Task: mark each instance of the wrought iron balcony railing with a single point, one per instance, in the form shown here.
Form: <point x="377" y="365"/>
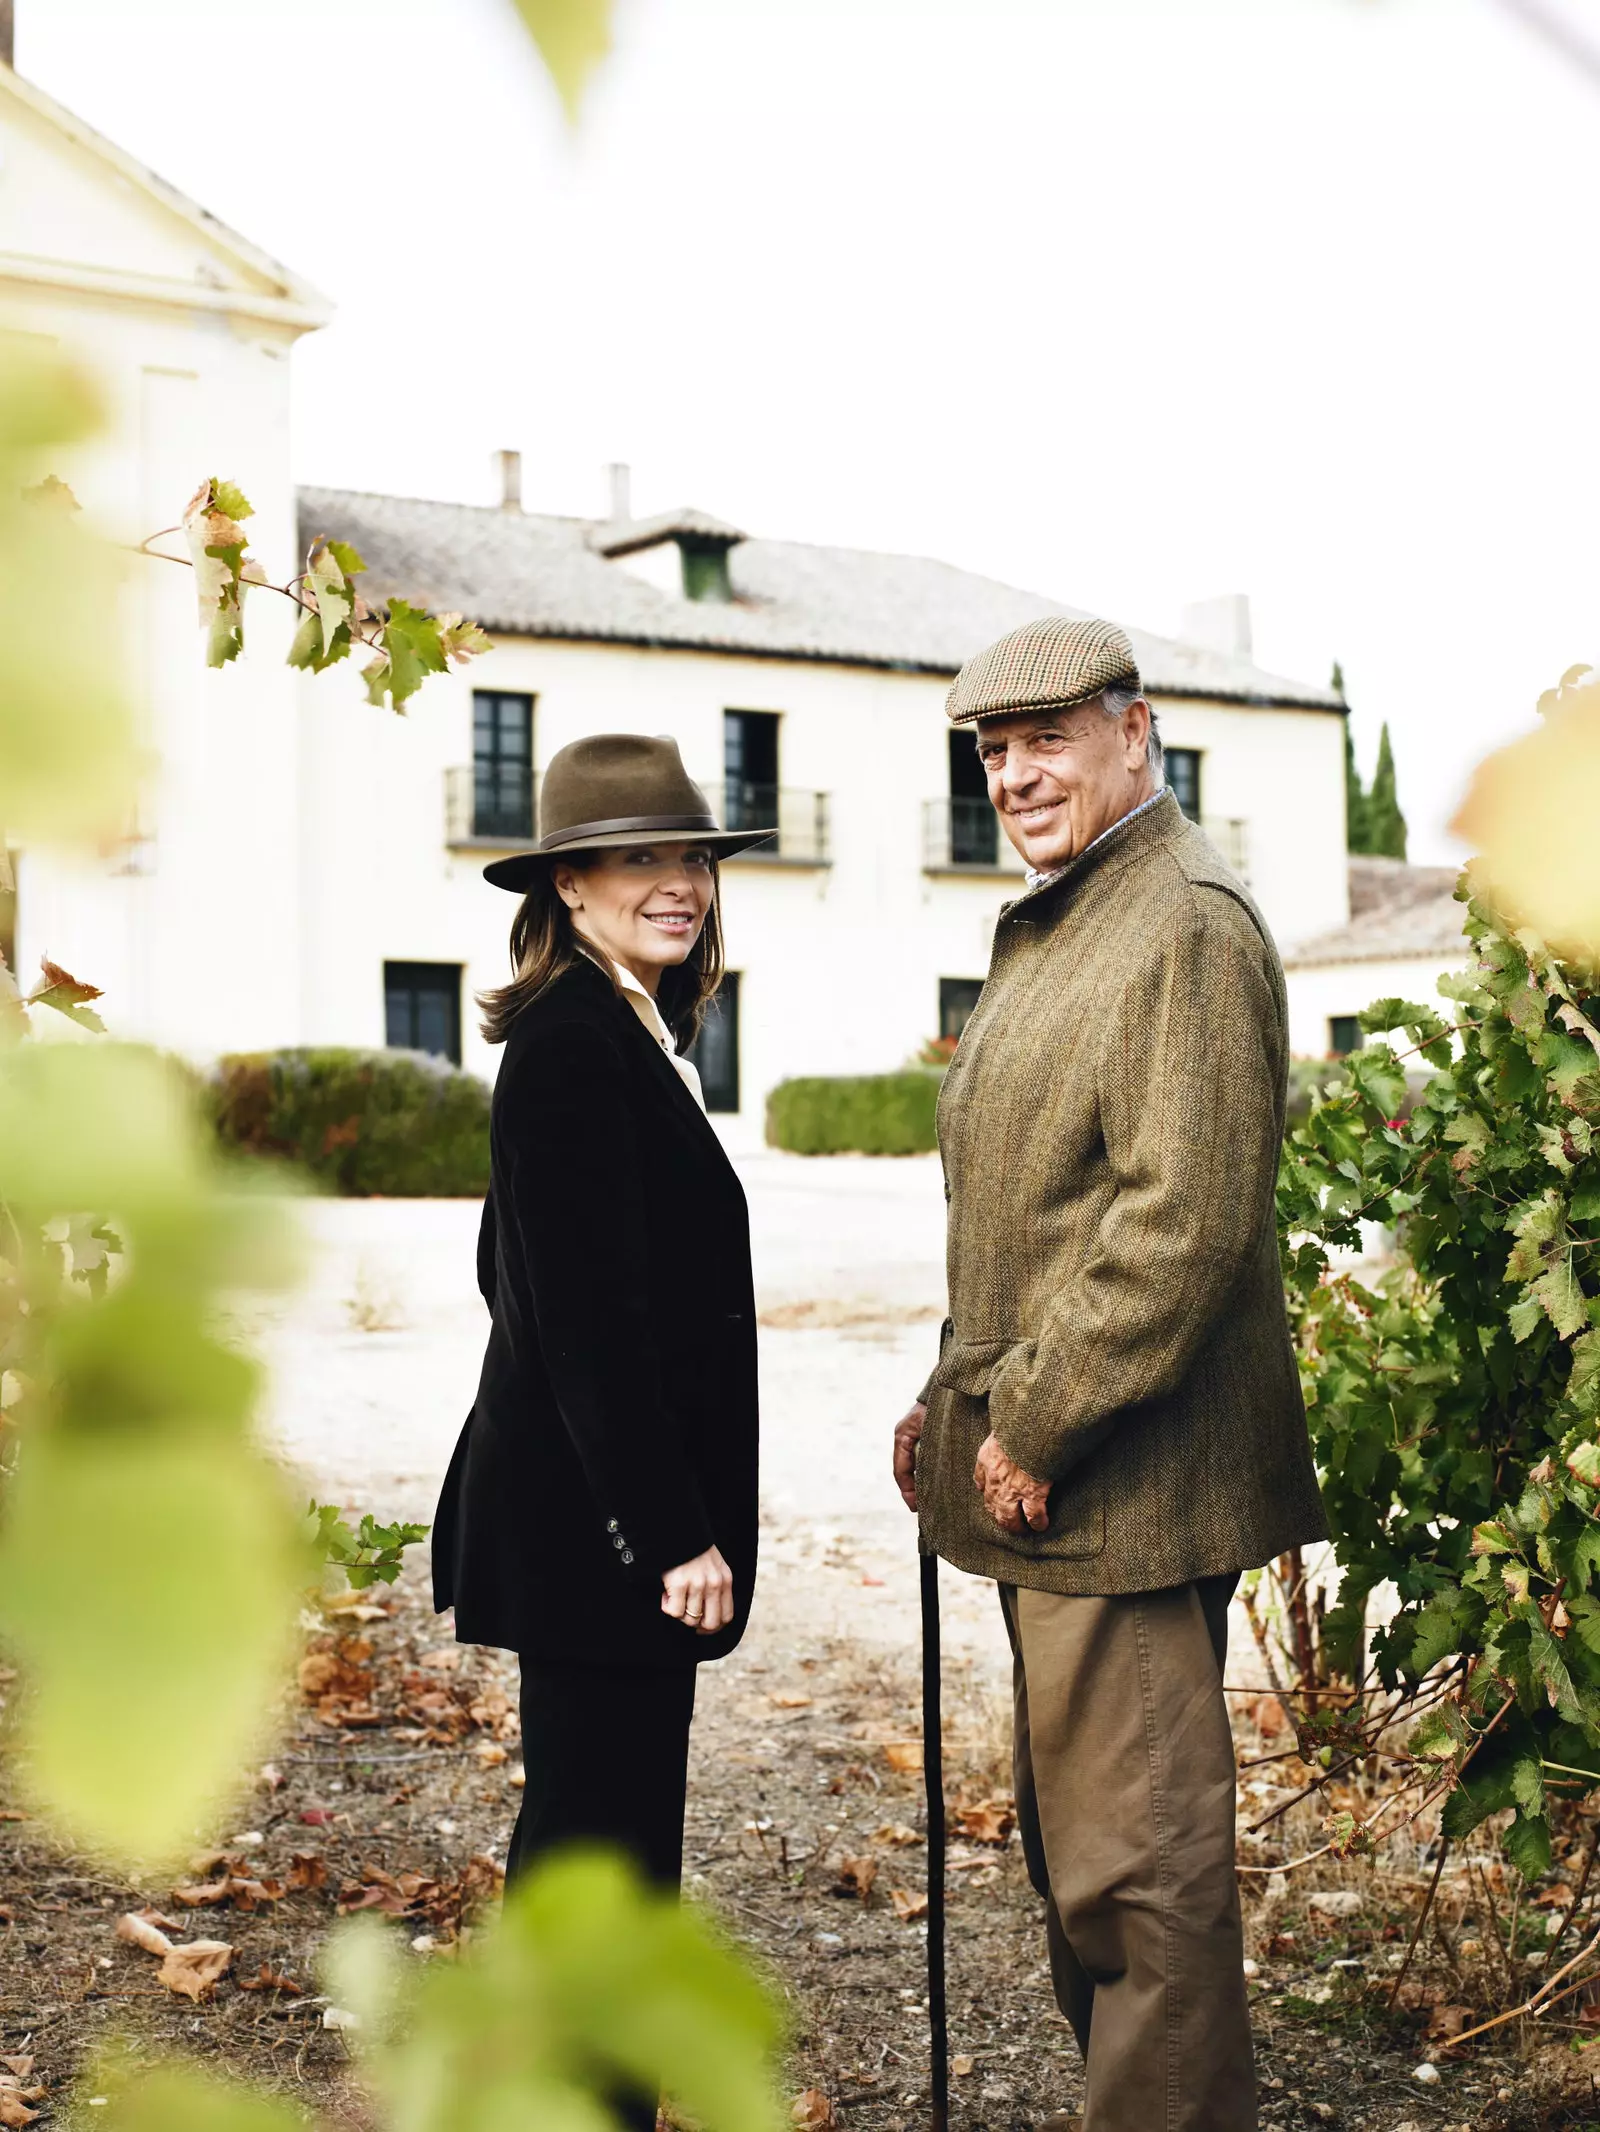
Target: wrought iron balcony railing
<point x="489" y="803"/>
<point x="800" y="819"/>
<point x="1231" y="841"/>
<point x="964" y="836"/>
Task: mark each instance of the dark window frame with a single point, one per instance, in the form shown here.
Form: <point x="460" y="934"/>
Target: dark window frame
<point x="1341" y="1026"/>
<point x="413" y="983"/>
<point x="749" y="798"/>
<point x="957" y="998"/>
<point x="1189" y="759"/>
<point x="502" y="775"/>
<point x="717" y="1048"/>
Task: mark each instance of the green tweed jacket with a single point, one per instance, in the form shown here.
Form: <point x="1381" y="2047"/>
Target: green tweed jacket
<point x="1110" y="1128"/>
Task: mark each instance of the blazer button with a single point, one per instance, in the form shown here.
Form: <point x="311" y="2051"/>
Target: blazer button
<point x="611" y="1525"/>
<point x="627" y="1554"/>
<point x="619" y="1542"/>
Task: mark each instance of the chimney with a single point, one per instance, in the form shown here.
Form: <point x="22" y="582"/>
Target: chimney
<point x="1220" y="624"/>
<point x="8" y="32"/>
<point x="620" y="476"/>
<point x="509" y="467"/>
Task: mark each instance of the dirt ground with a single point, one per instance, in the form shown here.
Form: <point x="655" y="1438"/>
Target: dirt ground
<point x="395" y="1790"/>
<point x="394" y="1787"/>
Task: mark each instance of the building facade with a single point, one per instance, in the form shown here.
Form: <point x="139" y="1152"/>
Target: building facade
<point x="307" y="870"/>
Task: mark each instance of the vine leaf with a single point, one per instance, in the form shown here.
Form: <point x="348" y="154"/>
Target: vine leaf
<point x="324" y="635"/>
<point x="573" y="36"/>
<point x="68" y="995"/>
<point x="1562" y="1297"/>
<point x="217" y="549"/>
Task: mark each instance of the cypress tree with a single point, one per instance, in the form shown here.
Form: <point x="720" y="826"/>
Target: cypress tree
<point x="1385" y="824"/>
<point x="1355" y="798"/>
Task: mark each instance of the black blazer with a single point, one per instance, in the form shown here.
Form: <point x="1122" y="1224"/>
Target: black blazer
<point x="614" y="1431"/>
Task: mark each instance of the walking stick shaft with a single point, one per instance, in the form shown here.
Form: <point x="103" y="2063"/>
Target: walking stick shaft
<point x="933" y="1784"/>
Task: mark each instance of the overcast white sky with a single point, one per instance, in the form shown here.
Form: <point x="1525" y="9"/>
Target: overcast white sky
<point x="1129" y="301"/>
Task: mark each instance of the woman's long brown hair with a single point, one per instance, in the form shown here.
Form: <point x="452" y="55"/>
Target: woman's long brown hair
<point x="544" y="945"/>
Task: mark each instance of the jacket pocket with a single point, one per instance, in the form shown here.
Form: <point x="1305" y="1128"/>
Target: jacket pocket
<point x="971" y="1366"/>
<point x="1077" y="1527"/>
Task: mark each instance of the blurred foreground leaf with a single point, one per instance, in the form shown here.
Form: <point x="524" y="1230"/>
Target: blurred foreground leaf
<point x="591" y="1984"/>
<point x="174" y="2098"/>
<point x="67" y="755"/>
<point x="573" y="37"/>
<point x="151" y="1558"/>
<point x="1532" y="811"/>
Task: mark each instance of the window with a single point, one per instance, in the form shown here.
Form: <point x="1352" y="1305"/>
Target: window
<point x="715" y="1051"/>
<point x="502" y="764"/>
<point x="957" y="998"/>
<point x="422" y="1008"/>
<point x="750" y="769"/>
<point x="974" y="825"/>
<point x="1344" y="1034"/>
<point x="705" y="571"/>
<point x="1183" y="775"/>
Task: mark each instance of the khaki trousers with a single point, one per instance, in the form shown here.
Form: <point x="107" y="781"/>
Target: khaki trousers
<point x="1125" y="1804"/>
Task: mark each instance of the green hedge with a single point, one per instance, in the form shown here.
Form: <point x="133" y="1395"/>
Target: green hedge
<point x="857" y="1114"/>
<point x="363" y="1123"/>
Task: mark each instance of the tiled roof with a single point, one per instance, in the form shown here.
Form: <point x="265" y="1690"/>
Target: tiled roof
<point x="1397" y="913"/>
<point x="523" y="574"/>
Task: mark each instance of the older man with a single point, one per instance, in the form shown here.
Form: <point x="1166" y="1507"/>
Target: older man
<point x="1114" y="1429"/>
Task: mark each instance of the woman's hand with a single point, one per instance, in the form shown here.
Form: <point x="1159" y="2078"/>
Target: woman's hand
<point x="700" y="1593"/>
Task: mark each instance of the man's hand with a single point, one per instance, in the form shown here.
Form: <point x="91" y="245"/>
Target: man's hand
<point x="907" y="1434"/>
<point x="1014" y="1499"/>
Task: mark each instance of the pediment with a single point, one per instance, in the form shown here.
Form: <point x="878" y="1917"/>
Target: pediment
<point x="78" y="211"/>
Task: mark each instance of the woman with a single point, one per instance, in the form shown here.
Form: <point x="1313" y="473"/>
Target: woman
<point x="599" y="1515"/>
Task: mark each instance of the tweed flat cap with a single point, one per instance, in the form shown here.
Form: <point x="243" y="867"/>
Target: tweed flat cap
<point x="1050" y="664"/>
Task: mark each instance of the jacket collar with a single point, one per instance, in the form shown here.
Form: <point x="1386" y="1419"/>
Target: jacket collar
<point x="1143" y="830"/>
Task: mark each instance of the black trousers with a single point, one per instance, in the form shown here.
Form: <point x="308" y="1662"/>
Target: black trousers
<point x="606" y="1755"/>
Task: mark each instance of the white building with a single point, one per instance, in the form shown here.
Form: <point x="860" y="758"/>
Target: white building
<point x="307" y="870"/>
<point x="1404" y="931"/>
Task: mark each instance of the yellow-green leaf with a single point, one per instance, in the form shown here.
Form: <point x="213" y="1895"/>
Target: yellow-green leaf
<point x="573" y="36"/>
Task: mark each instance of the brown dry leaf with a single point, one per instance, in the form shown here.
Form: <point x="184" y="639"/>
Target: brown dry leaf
<point x="308" y="1869"/>
<point x="14" y="2111"/>
<point x="204" y="1862"/>
<point x="1270" y="1720"/>
<point x="904" y="1755"/>
<point x="20" y="2067"/>
<point x="517" y="1779"/>
<point x="490" y="1753"/>
<point x="10" y="1813"/>
<point x="270" y="1980"/>
<point x="897" y="1834"/>
<point x="987" y="1820"/>
<point x="198" y="1894"/>
<point x="192" y="1970"/>
<point x="447" y="1659"/>
<point x="790" y="1702"/>
<point x="141" y="1932"/>
<point x="908" y="1905"/>
<point x="1448" y="2021"/>
<point x="318" y="1671"/>
<point x="811" y="2111"/>
<point x="961" y="2065"/>
<point x="856" y="1876"/>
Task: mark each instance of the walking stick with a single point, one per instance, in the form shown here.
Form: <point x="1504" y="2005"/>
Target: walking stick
<point x="933" y="1785"/>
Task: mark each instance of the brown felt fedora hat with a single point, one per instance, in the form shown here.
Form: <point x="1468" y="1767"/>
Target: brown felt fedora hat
<point x="615" y="789"/>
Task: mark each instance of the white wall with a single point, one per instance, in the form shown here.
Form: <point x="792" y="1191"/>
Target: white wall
<point x="1319" y="993"/>
<point x="193" y="933"/>
<point x="839" y="965"/>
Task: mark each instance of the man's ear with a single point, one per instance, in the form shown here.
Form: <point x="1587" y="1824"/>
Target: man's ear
<point x="564" y="880"/>
<point x="1136" y="733"/>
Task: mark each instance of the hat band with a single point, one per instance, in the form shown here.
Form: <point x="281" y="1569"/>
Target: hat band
<point x="648" y="824"/>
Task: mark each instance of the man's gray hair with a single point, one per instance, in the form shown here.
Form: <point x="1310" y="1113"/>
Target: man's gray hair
<point x="1117" y="701"/>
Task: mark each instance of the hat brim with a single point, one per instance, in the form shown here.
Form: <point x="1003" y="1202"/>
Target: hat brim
<point x="1039" y="705"/>
<point x="525" y="867"/>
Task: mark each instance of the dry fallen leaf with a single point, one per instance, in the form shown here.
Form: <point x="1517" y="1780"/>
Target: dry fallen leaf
<point x="908" y="1905"/>
<point x="20" y="2067"/>
<point x="1268" y="1712"/>
<point x="856" y="1876"/>
<point x="13" y="2110"/>
<point x="961" y="2065"/>
<point x="790" y="1702"/>
<point x="141" y="1932"/>
<point x="811" y="2111"/>
<point x="490" y="1753"/>
<point x="903" y="1755"/>
<point x="193" y="1969"/>
<point x="308" y="1869"/>
<point x="270" y="1980"/>
<point x="897" y="1834"/>
<point x="986" y="1821"/>
<point x="445" y="1660"/>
